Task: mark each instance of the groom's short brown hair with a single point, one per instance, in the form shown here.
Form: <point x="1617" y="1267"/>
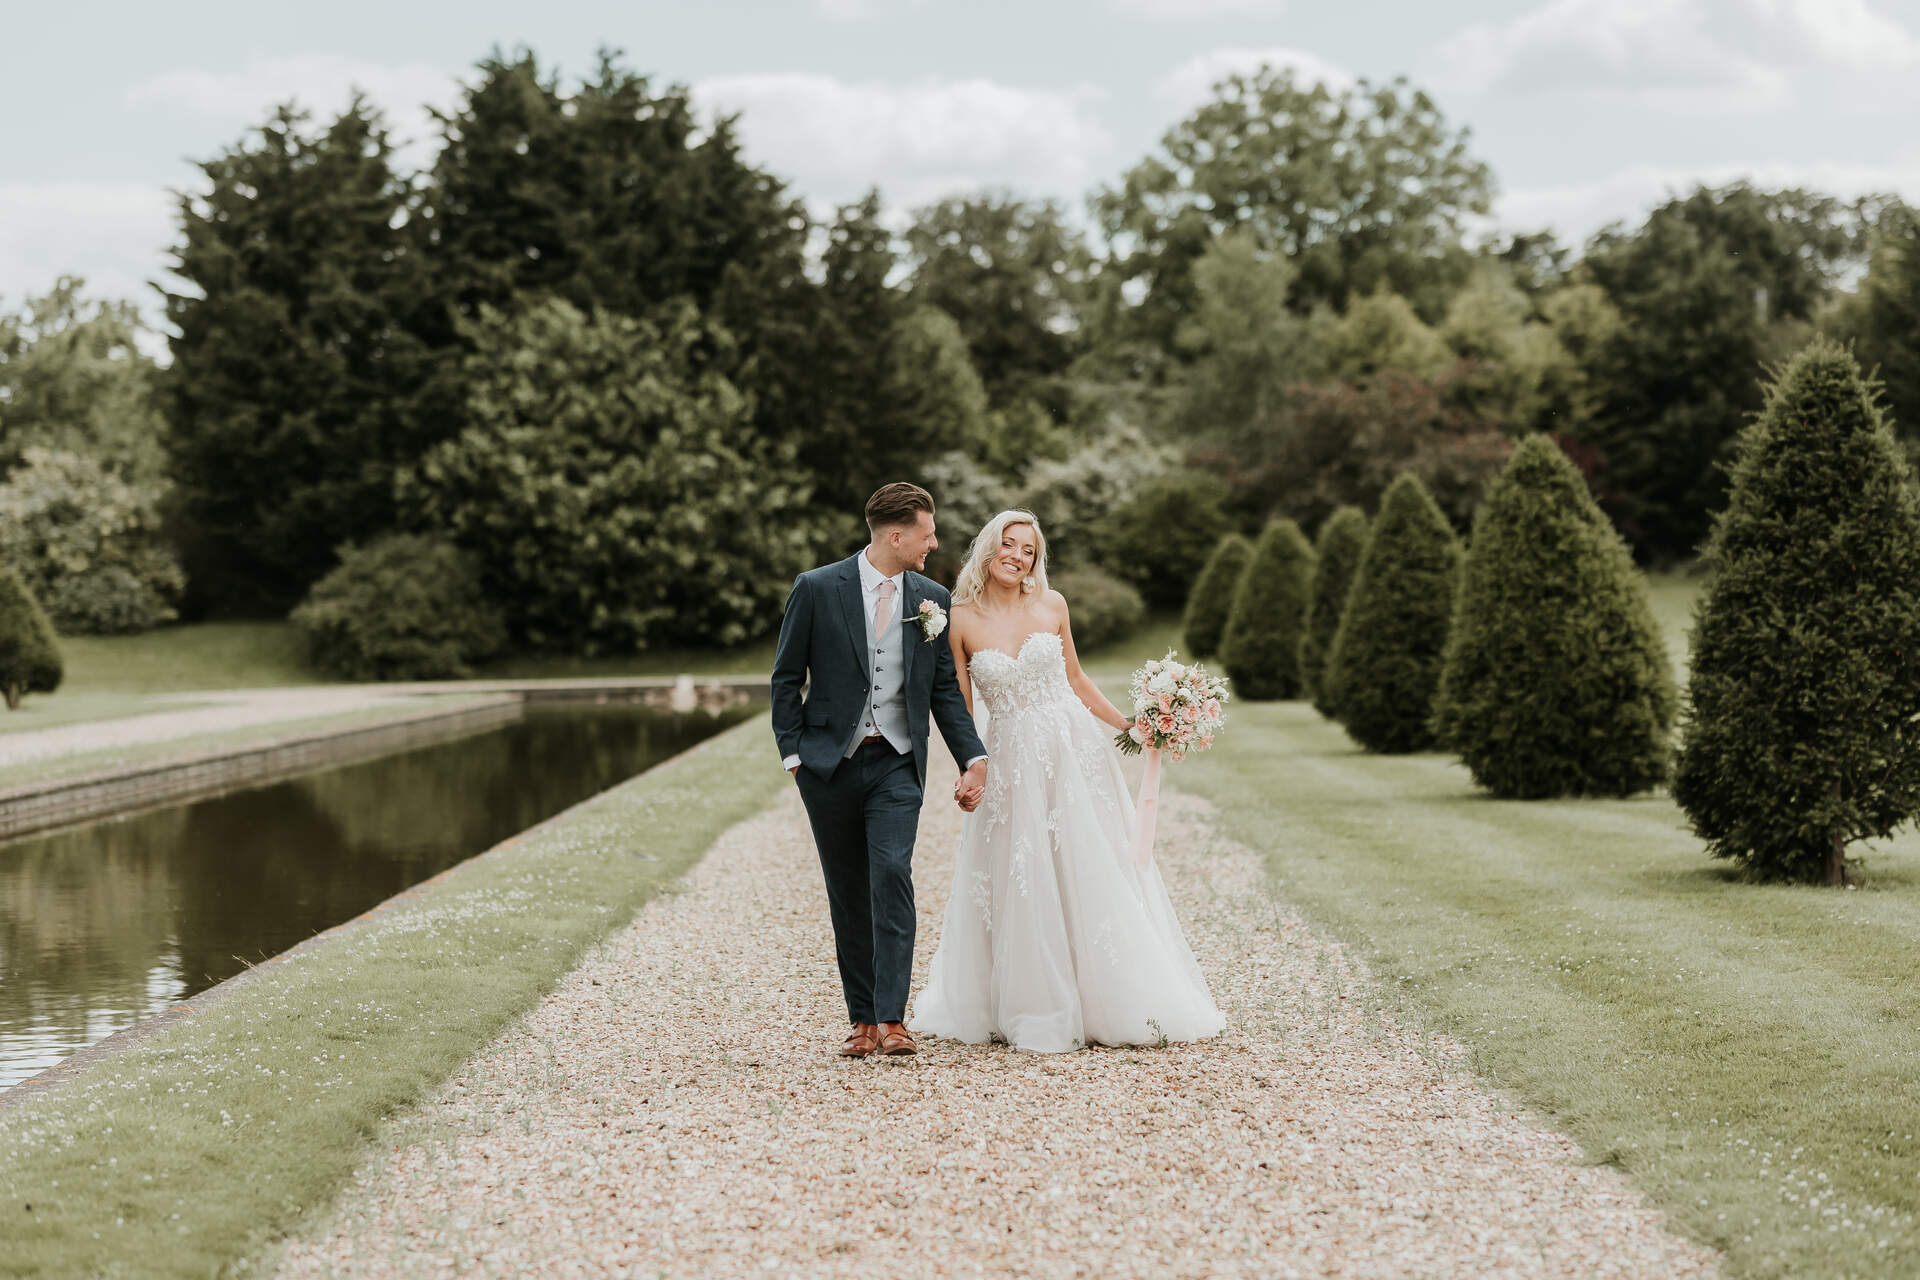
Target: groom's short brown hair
<point x="897" y="503"/>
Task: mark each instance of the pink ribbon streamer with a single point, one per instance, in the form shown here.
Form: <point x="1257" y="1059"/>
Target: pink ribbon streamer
<point x="1147" y="811"/>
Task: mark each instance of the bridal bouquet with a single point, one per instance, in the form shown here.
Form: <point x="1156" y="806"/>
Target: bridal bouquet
<point x="1176" y="709"/>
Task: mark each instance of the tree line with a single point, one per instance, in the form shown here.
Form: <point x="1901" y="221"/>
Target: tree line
<point x="596" y="362"/>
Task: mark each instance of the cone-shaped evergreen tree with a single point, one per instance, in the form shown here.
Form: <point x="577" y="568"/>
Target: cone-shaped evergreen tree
<point x="29" y="652"/>
<point x="1555" y="681"/>
<point x="1261" y="647"/>
<point x="1211" y="599"/>
<point x="1337" y="552"/>
<point x="1385" y="663"/>
<point x="1800" y="734"/>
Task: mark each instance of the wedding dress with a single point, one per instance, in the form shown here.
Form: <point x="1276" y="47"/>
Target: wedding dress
<point x="1053" y="938"/>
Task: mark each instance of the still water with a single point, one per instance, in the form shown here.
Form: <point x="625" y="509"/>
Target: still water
<point x="103" y="925"/>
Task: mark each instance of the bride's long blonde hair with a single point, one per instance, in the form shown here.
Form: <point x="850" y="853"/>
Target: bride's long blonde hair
<point x="972" y="582"/>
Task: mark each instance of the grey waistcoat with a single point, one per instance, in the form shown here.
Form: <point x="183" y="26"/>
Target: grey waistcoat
<point x="886" y="709"/>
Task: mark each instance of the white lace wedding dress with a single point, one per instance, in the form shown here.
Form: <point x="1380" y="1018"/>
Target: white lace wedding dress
<point x="1053" y="938"/>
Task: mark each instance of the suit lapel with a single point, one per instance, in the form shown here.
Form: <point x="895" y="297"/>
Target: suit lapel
<point x="852" y="604"/>
<point x="909" y="606"/>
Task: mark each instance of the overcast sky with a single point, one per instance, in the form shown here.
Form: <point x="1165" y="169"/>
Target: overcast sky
<point x="1587" y="110"/>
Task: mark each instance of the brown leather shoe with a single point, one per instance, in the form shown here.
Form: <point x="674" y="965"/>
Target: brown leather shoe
<point x="895" y="1040"/>
<point x="861" y="1041"/>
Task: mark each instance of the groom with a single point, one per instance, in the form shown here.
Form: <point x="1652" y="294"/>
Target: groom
<point x="872" y="665"/>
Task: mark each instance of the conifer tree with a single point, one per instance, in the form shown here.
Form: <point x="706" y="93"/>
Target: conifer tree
<point x="1212" y="597"/>
<point x="1385" y="661"/>
<point x="1556" y="681"/>
<point x="1260" y="648"/>
<point x="29" y="651"/>
<point x="1337" y="552"/>
<point x="1802" y="727"/>
<point x="291" y="371"/>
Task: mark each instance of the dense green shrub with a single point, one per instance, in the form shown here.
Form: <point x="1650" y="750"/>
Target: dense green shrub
<point x="29" y="651"/>
<point x="1103" y="608"/>
<point x="1336" y="558"/>
<point x="1800" y="734"/>
<point x="1211" y="600"/>
<point x="613" y="486"/>
<point x="1261" y="646"/>
<point x="404" y="607"/>
<point x="1385" y="662"/>
<point x="1556" y="681"/>
<point x="1161" y="539"/>
<point x="88" y="544"/>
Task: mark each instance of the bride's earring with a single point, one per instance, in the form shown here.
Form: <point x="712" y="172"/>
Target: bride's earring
<point x="1026" y="584"/>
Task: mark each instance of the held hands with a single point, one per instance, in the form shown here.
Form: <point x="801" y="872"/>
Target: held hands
<point x="970" y="786"/>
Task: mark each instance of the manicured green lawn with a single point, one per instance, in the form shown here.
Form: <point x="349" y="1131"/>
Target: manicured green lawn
<point x="1748" y="1054"/>
<point x="209" y="1141"/>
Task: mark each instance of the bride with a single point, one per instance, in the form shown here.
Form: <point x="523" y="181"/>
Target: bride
<point x="1053" y="938"/>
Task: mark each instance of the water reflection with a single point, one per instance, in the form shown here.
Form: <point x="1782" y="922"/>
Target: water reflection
<point x="106" y="924"/>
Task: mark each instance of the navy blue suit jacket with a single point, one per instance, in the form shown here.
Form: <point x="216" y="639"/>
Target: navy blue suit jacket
<point x="823" y="655"/>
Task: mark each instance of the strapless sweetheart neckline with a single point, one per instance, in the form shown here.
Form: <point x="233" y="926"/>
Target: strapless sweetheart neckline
<point x="1013" y="657"/>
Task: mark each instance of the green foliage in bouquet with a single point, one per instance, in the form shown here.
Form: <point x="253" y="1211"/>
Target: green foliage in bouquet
<point x="29" y="651"/>
<point x="1261" y="647"/>
<point x="404" y="607"/>
<point x="1336" y="558"/>
<point x="1800" y="734"/>
<point x="1212" y="597"/>
<point x="1103" y="608"/>
<point x="1555" y="681"/>
<point x="1385" y="662"/>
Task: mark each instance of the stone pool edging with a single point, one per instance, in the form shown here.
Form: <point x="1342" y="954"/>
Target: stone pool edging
<point x="37" y="807"/>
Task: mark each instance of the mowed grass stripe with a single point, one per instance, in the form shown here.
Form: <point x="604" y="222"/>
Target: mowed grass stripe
<point x="213" y="1137"/>
<point x="1748" y="1053"/>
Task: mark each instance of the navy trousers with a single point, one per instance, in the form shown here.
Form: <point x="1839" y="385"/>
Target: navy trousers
<point x="864" y="820"/>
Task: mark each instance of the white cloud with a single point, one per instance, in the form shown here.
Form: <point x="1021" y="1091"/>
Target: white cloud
<point x="1716" y="54"/>
<point x="1577" y="210"/>
<point x="1191" y="83"/>
<point x="113" y="234"/>
<point x="832" y="138"/>
<point x="319" y="82"/>
<point x="1185" y="10"/>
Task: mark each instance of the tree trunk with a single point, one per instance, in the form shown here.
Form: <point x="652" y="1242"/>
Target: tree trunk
<point x="13" y="697"/>
<point x="1837" y="850"/>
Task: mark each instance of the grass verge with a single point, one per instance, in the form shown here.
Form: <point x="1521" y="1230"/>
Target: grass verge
<point x="1749" y="1055"/>
<point x="206" y="1142"/>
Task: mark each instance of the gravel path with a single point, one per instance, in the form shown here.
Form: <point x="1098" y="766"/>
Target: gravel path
<point x="675" y="1108"/>
<point x="230" y="710"/>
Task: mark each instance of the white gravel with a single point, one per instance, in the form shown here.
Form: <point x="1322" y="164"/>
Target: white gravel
<point x="675" y="1108"/>
<point x="228" y="710"/>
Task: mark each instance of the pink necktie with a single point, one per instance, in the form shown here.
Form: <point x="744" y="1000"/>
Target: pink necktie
<point x="883" y="608"/>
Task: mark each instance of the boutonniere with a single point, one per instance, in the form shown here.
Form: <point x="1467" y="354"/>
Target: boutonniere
<point x="931" y="619"/>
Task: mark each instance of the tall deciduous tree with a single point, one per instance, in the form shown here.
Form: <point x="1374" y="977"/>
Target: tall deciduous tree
<point x="1358" y="186"/>
<point x="1556" y="681"/>
<point x="1802" y="730"/>
<point x="73" y="378"/>
<point x="1012" y="273"/>
<point x="1708" y="289"/>
<point x="290" y="373"/>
